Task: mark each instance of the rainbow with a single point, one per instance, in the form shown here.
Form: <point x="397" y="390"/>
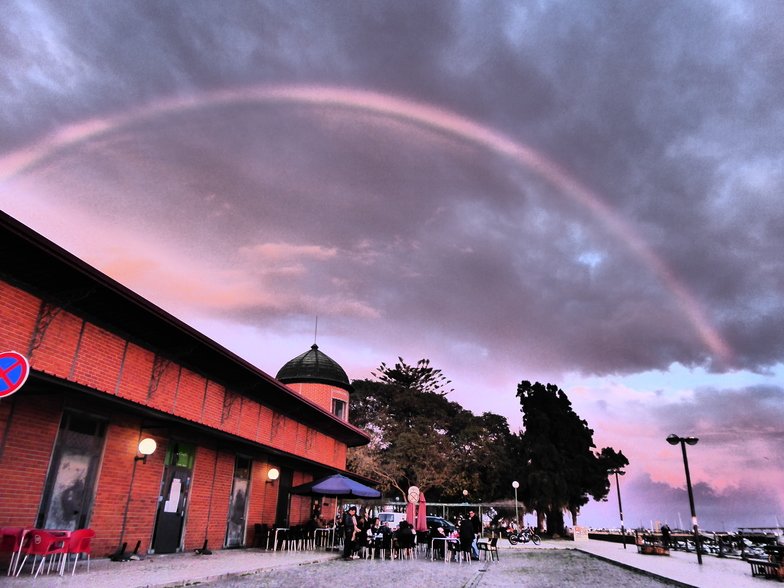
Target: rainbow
<point x="26" y="160"/>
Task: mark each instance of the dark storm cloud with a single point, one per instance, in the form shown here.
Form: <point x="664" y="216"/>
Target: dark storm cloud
<point x="725" y="417"/>
<point x="670" y="112"/>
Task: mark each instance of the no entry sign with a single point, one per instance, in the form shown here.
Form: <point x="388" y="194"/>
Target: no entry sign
<point x="14" y="370"/>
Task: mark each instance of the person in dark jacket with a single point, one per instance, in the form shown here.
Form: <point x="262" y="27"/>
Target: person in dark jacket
<point x="466" y="536"/>
<point x="349" y="531"/>
<point x="477" y="525"/>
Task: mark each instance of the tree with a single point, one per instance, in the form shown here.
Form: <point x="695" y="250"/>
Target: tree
<point x="420" y="377"/>
<point x="419" y="437"/>
<point x="562" y="470"/>
<point x="409" y="431"/>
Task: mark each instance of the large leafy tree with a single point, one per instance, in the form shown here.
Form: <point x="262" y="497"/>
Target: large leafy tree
<point x="419" y="437"/>
<point x="562" y="470"/>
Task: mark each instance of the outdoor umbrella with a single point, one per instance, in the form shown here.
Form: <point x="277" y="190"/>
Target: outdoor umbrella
<point x="410" y="513"/>
<point x="336" y="485"/>
<point x="421" y="524"/>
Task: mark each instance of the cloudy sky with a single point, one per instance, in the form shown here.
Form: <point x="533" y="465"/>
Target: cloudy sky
<point x="588" y="194"/>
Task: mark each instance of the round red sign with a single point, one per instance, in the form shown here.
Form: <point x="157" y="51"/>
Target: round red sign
<point x="14" y="370"/>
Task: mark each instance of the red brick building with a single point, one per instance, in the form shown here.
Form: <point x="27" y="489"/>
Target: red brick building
<point x="109" y="369"/>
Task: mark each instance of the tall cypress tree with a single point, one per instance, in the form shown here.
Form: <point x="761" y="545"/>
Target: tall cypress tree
<point x="561" y="469"/>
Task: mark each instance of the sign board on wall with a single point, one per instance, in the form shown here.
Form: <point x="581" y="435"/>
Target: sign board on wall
<point x="14" y="370"/>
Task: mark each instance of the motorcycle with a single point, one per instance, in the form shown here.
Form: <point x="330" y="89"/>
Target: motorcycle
<point x="524" y="536"/>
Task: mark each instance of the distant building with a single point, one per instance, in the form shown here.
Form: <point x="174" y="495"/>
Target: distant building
<point x="109" y="369"/>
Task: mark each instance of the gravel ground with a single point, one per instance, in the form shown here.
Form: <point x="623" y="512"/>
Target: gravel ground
<point x="540" y="569"/>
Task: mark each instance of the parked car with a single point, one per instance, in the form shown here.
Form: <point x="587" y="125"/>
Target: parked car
<point x="435" y="522"/>
<point x="392" y="518"/>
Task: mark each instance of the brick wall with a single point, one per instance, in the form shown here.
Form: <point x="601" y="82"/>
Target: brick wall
<point x="69" y="348"/>
<point x="26" y="455"/>
<point x="126" y="494"/>
<point x="210" y="495"/>
<point x="126" y="497"/>
<point x="321" y="394"/>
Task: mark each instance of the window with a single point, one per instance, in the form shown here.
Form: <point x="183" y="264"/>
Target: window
<point x="339" y="408"/>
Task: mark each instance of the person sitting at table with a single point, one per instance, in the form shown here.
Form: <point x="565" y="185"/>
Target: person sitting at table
<point x="374" y="535"/>
<point x="438" y="546"/>
<point x="406" y="538"/>
<point x="361" y="538"/>
<point x="310" y="530"/>
<point x="386" y="537"/>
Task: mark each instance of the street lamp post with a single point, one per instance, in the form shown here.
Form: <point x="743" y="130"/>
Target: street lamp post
<point x="674" y="440"/>
<point x="516" y="485"/>
<point x="617" y="473"/>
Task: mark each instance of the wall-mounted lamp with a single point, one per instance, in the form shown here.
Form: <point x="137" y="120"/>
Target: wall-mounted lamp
<point x="146" y="447"/>
<point x="273" y="474"/>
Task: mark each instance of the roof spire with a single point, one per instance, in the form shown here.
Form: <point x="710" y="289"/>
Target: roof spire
<point x="315" y="333"/>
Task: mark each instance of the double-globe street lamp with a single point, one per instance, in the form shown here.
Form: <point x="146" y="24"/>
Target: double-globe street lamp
<point x="617" y="473"/>
<point x="674" y="440"/>
<point x="516" y="485"/>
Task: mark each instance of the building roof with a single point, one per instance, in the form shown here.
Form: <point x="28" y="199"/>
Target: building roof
<point x="314" y="366"/>
<point x="35" y="264"/>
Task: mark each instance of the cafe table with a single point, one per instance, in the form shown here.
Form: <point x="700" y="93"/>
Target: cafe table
<point x="324" y="536"/>
<point x="447" y="541"/>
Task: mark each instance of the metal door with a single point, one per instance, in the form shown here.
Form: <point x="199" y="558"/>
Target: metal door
<point x="171" y="509"/>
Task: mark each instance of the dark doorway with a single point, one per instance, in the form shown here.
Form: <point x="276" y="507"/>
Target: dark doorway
<point x="70" y="483"/>
<point x="236" y="524"/>
<point x="284" y="485"/>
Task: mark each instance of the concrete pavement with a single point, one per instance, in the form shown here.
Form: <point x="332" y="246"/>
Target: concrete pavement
<point x="679" y="566"/>
<point x="164" y="571"/>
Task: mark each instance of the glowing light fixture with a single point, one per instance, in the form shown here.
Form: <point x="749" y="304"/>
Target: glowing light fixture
<point x="273" y="474"/>
<point x="147" y="447"/>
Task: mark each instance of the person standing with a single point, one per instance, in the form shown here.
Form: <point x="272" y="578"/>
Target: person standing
<point x="665" y="531"/>
<point x="476" y="524"/>
<point x="349" y="530"/>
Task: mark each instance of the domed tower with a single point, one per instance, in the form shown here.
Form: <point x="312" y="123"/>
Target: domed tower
<point x="320" y="379"/>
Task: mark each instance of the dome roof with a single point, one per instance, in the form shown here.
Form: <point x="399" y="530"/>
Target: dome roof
<point x="314" y="366"/>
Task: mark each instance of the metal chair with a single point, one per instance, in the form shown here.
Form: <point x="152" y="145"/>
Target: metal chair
<point x="489" y="547"/>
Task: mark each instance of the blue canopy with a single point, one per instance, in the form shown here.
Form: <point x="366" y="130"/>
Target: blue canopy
<point x="336" y="485"/>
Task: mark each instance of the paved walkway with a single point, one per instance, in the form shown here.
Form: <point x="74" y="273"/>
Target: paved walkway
<point x="164" y="571"/>
<point x="679" y="566"/>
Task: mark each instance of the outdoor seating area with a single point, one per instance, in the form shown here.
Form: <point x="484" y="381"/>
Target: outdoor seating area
<point x="44" y="549"/>
<point x="380" y="545"/>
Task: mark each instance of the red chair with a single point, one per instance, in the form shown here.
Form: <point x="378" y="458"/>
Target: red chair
<point x="79" y="542"/>
<point x="12" y="542"/>
<point x="43" y="544"/>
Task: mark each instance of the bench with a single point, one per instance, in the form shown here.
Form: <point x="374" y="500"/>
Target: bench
<point x="651" y="546"/>
<point x="768" y="569"/>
